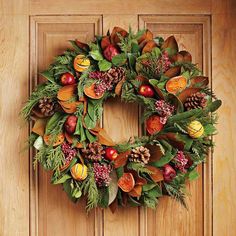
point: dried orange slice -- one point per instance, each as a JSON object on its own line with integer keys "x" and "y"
{"x": 89, "y": 91}
{"x": 176, "y": 84}
{"x": 66, "y": 92}
{"x": 153, "y": 124}
{"x": 126, "y": 182}
{"x": 59, "y": 139}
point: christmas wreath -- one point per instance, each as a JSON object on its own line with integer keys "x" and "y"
{"x": 178, "y": 119}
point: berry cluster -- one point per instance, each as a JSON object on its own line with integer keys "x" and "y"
{"x": 102, "y": 174}
{"x": 68, "y": 151}
{"x": 181, "y": 161}
{"x": 164, "y": 109}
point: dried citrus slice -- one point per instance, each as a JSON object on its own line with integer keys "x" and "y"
{"x": 176, "y": 84}
{"x": 136, "y": 191}
{"x": 153, "y": 124}
{"x": 90, "y": 92}
{"x": 126, "y": 182}
{"x": 58, "y": 140}
{"x": 66, "y": 92}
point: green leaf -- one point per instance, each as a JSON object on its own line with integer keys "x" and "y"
{"x": 134, "y": 47}
{"x": 120, "y": 171}
{"x": 156, "y": 52}
{"x": 68, "y": 190}
{"x": 90, "y": 137}
{"x": 119, "y": 60}
{"x": 104, "y": 65}
{"x": 133, "y": 202}
{"x": 214, "y": 106}
{"x": 62, "y": 179}
{"x": 193, "y": 175}
{"x": 96, "y": 55}
{"x": 148, "y": 187}
{"x": 48, "y": 75}
{"x": 103, "y": 197}
{"x": 53, "y": 121}
{"x": 164, "y": 159}
{"x": 209, "y": 129}
{"x": 76, "y": 193}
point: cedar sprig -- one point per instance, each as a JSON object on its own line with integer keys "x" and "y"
{"x": 90, "y": 188}
{"x": 44, "y": 90}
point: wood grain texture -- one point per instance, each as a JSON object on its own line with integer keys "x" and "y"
{"x": 120, "y": 7}
{"x": 122, "y": 121}
{"x": 49, "y": 34}
{"x": 14, "y": 162}
{"x": 224, "y": 84}
{"x": 189, "y": 32}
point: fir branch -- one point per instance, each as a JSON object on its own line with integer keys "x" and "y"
{"x": 43, "y": 90}
{"x": 138, "y": 167}
{"x": 208, "y": 91}
{"x": 176, "y": 193}
{"x": 90, "y": 188}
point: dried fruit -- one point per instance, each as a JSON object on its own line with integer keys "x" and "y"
{"x": 126, "y": 182}
{"x": 153, "y": 124}
{"x": 195, "y": 129}
{"x": 90, "y": 92}
{"x": 176, "y": 84}
{"x": 79, "y": 171}
{"x": 81, "y": 63}
{"x": 66, "y": 92}
{"x": 58, "y": 140}
{"x": 70, "y": 124}
{"x": 136, "y": 191}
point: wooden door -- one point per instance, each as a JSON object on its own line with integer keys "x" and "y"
{"x": 33, "y": 32}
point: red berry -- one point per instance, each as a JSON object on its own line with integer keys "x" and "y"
{"x": 70, "y": 124}
{"x": 146, "y": 91}
{"x": 67, "y": 79}
{"x": 110, "y": 51}
{"x": 111, "y": 154}
{"x": 168, "y": 173}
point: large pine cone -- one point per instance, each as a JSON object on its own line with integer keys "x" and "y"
{"x": 197, "y": 100}
{"x": 140, "y": 154}
{"x": 46, "y": 106}
{"x": 94, "y": 152}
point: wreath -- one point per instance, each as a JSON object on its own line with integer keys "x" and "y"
{"x": 178, "y": 115}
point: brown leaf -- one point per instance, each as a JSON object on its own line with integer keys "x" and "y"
{"x": 114, "y": 37}
{"x": 69, "y": 139}
{"x": 187, "y": 57}
{"x": 173, "y": 71}
{"x": 149, "y": 46}
{"x": 171, "y": 138}
{"x": 140, "y": 181}
{"x": 84, "y": 46}
{"x": 147, "y": 36}
{"x": 66, "y": 92}
{"x": 155, "y": 152}
{"x": 105, "y": 42}
{"x": 201, "y": 81}
{"x": 171, "y": 42}
{"x": 122, "y": 159}
{"x": 187, "y": 93}
{"x": 104, "y": 139}
{"x": 113, "y": 206}
{"x": 39, "y": 126}
{"x": 159, "y": 92}
{"x": 136, "y": 191}
{"x": 142, "y": 79}
{"x": 156, "y": 175}
{"x": 69, "y": 107}
{"x": 118, "y": 88}
{"x": 177, "y": 58}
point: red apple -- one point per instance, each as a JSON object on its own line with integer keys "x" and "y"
{"x": 111, "y": 153}
{"x": 168, "y": 173}
{"x": 146, "y": 91}
{"x": 110, "y": 51}
{"x": 70, "y": 124}
{"x": 67, "y": 79}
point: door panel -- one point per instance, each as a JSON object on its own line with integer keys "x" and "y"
{"x": 50, "y": 35}
{"x": 188, "y": 32}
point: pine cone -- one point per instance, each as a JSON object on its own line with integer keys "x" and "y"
{"x": 46, "y": 106}
{"x": 114, "y": 75}
{"x": 94, "y": 152}
{"x": 140, "y": 154}
{"x": 197, "y": 100}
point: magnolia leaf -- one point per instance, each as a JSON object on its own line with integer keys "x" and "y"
{"x": 214, "y": 106}
{"x": 62, "y": 179}
{"x": 96, "y": 55}
{"x": 104, "y": 65}
{"x": 113, "y": 187}
{"x": 164, "y": 159}
{"x": 119, "y": 59}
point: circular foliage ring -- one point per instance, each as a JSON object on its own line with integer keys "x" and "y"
{"x": 139, "y": 68}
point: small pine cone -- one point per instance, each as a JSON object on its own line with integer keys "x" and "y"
{"x": 140, "y": 154}
{"x": 115, "y": 74}
{"x": 94, "y": 152}
{"x": 46, "y": 106}
{"x": 197, "y": 100}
